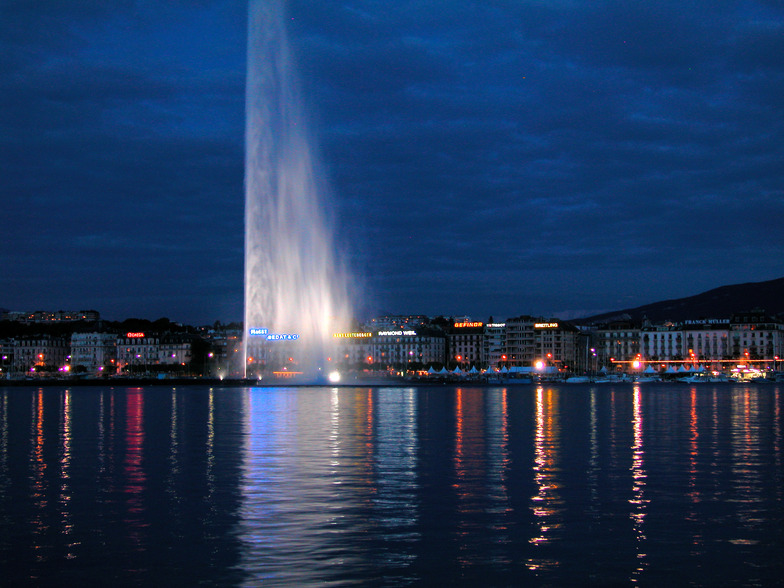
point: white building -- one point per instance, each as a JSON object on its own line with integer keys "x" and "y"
{"x": 40, "y": 352}
{"x": 495, "y": 344}
{"x": 391, "y": 348}
{"x": 137, "y": 352}
{"x": 94, "y": 353}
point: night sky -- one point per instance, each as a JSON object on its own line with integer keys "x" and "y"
{"x": 485, "y": 158}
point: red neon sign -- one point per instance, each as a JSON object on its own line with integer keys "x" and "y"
{"x": 134, "y": 335}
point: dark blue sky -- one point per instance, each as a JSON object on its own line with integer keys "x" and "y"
{"x": 501, "y": 157}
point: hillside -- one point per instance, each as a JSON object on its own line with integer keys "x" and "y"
{"x": 720, "y": 302}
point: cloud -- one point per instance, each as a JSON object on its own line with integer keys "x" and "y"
{"x": 507, "y": 154}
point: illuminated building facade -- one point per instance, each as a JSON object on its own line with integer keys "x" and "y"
{"x": 6, "y": 357}
{"x": 40, "y": 353}
{"x": 495, "y": 344}
{"x": 747, "y": 336}
{"x": 93, "y": 352}
{"x": 391, "y": 348}
{"x": 556, "y": 343}
{"x": 135, "y": 350}
{"x": 618, "y": 341}
{"x": 703, "y": 342}
{"x": 520, "y": 341}
{"x": 533, "y": 339}
{"x": 754, "y": 335}
{"x": 175, "y": 349}
{"x": 465, "y": 344}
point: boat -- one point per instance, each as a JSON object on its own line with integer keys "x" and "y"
{"x": 578, "y": 380}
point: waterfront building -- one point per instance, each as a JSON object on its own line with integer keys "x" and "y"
{"x": 662, "y": 342}
{"x": 40, "y": 353}
{"x": 617, "y": 341}
{"x": 531, "y": 340}
{"x": 756, "y": 336}
{"x": 6, "y": 356}
{"x": 705, "y": 342}
{"x": 137, "y": 352}
{"x": 494, "y": 342}
{"x": 556, "y": 343}
{"x": 175, "y": 349}
{"x": 94, "y": 353}
{"x": 520, "y": 341}
{"x": 465, "y": 344}
{"x": 399, "y": 349}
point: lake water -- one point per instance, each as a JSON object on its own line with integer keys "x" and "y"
{"x": 605, "y": 485}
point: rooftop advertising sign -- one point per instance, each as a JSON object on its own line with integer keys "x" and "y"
{"x": 257, "y": 332}
{"x": 397, "y": 333}
{"x": 463, "y": 325}
{"x": 545, "y": 325}
{"x": 134, "y": 335}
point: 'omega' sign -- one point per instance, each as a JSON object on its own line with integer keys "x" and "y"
{"x": 134, "y": 335}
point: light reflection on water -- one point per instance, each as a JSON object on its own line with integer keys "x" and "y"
{"x": 539, "y": 485}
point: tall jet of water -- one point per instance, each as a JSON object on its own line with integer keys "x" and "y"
{"x": 296, "y": 289}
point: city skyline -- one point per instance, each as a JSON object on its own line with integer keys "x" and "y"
{"x": 562, "y": 159}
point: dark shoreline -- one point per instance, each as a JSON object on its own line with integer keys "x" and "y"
{"x": 373, "y": 383}
{"x": 236, "y": 383}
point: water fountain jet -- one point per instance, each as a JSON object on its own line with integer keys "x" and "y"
{"x": 295, "y": 285}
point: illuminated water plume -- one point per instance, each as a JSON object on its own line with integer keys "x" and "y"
{"x": 294, "y": 282}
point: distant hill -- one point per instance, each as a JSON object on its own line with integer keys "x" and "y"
{"x": 717, "y": 303}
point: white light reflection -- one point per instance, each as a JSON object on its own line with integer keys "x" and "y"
{"x": 65, "y": 496}
{"x": 5, "y": 478}
{"x": 747, "y": 482}
{"x": 395, "y": 501}
{"x": 307, "y": 471}
{"x": 498, "y": 466}
{"x": 546, "y": 503}
{"x": 639, "y": 481}
{"x": 498, "y": 453}
{"x": 777, "y": 432}
{"x": 174, "y": 445}
{"x": 210, "y": 444}
{"x": 593, "y": 463}
{"x": 38, "y": 489}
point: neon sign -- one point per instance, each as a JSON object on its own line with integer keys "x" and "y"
{"x": 462, "y": 325}
{"x": 352, "y": 335}
{"x": 257, "y": 332}
{"x": 282, "y": 337}
{"x": 546, "y": 326}
{"x": 397, "y": 333}
{"x": 134, "y": 335}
